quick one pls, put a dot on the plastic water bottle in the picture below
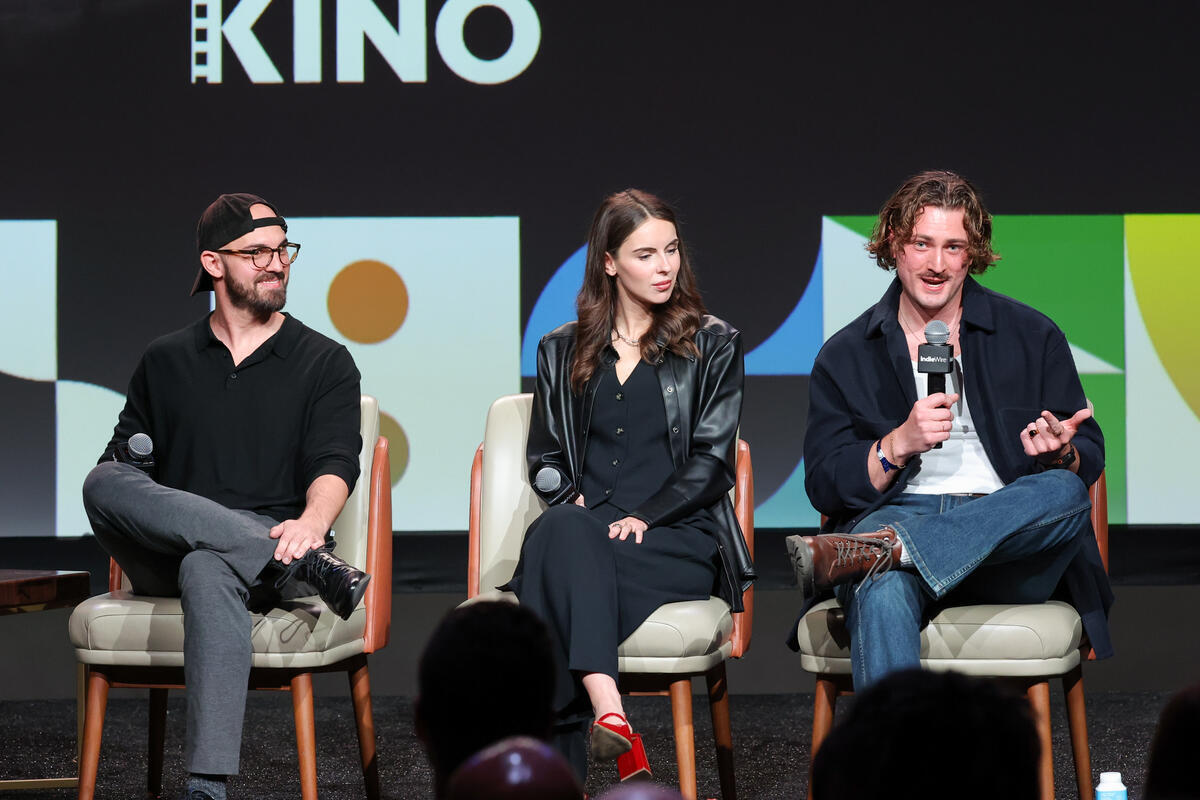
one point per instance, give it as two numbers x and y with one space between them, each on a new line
1110 787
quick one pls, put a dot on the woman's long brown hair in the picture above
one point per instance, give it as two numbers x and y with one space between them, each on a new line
675 322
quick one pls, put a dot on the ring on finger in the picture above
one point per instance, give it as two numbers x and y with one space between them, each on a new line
1033 432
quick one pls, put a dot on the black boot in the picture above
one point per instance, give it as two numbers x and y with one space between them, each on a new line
340 585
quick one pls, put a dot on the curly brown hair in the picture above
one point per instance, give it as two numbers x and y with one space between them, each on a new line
940 189
675 321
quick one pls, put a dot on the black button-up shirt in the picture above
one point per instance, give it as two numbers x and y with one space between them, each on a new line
249 436
628 455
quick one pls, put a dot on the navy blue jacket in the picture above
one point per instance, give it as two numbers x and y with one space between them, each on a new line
1016 363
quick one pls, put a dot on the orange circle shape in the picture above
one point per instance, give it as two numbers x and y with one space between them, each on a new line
368 301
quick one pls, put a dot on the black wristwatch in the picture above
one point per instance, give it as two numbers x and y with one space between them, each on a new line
1063 461
887 465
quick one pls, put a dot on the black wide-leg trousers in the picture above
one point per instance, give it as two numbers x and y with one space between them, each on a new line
593 592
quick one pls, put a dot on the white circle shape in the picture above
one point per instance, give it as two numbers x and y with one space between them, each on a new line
526 38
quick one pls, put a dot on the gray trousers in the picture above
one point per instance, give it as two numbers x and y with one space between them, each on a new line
173 543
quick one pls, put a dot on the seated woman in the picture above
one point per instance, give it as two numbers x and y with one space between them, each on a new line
632 444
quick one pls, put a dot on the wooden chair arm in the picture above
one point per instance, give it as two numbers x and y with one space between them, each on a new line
743 509
378 602
1098 492
473 523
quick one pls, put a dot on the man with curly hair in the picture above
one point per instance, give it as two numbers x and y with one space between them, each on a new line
971 493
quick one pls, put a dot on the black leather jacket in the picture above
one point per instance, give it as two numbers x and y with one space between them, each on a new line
703 399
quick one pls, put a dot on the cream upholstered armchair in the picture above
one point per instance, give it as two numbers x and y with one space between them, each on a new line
1022 644
678 641
129 640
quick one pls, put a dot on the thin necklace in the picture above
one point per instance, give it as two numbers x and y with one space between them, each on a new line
952 326
626 339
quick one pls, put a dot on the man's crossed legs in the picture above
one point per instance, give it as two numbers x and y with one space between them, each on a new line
1011 546
174 543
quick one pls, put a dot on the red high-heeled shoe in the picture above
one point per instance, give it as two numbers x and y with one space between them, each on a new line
634 765
613 738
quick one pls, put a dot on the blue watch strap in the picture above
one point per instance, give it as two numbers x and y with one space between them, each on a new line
887 465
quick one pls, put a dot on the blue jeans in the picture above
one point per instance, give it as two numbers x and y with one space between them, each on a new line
1011 546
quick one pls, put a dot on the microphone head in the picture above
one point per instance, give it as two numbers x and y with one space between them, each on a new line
548 479
937 332
140 446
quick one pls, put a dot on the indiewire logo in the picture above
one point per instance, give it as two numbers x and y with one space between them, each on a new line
357 21
935 359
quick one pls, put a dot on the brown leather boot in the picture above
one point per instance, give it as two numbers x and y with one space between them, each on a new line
829 559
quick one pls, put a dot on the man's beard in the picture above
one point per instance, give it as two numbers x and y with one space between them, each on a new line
246 296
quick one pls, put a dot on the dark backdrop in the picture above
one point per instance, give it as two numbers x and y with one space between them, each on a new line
754 118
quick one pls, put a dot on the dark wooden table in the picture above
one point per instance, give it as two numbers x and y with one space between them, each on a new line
23 591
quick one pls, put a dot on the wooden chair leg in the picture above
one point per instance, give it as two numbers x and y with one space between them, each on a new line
718 706
93 729
81 676
685 740
1077 725
155 741
1039 700
306 734
360 692
824 703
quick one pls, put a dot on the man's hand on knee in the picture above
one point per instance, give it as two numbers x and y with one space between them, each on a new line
296 538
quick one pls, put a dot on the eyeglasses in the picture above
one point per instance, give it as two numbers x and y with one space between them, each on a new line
261 257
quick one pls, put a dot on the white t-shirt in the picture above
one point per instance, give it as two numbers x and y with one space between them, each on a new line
960 465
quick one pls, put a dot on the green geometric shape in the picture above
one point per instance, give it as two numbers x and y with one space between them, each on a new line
862 225
1072 269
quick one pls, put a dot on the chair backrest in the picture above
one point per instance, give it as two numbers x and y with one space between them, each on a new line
503 504
364 528
506 503
350 528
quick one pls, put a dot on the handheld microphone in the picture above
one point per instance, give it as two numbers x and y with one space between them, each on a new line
138 451
935 358
548 479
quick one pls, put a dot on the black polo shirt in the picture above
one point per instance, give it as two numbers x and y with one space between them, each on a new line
252 436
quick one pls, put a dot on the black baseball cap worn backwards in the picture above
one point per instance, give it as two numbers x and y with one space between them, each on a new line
226 219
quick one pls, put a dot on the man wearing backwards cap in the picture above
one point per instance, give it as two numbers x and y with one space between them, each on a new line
255 423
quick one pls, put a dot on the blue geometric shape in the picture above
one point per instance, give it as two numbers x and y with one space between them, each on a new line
793 347
554 307
788 507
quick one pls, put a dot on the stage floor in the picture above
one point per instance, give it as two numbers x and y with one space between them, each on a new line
770 732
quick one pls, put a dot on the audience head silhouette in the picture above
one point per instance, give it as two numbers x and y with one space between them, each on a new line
487 673
914 731
1170 773
518 768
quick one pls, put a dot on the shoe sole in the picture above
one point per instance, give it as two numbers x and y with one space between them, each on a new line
800 554
607 745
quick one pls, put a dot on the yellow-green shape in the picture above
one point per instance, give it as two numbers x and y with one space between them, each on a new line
1166 281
